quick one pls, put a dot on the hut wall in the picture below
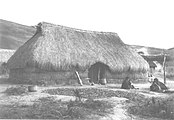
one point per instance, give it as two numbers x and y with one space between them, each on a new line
119 77
25 76
33 76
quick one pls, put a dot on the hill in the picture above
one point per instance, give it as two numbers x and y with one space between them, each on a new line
171 54
13 35
171 50
147 50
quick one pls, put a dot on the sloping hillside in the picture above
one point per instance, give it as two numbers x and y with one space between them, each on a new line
171 52
171 58
171 48
147 50
13 35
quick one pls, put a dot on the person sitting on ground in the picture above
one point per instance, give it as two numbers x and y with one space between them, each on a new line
162 85
158 86
127 84
155 87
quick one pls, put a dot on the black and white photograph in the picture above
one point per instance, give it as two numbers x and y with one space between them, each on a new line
87 59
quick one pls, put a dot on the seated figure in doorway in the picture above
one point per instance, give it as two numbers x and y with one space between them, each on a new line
127 84
155 87
103 81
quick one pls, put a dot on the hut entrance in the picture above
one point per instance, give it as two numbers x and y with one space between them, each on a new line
97 73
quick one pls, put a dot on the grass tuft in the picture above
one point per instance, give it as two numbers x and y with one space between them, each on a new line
18 90
154 107
50 108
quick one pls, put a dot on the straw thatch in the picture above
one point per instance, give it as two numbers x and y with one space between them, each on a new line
62 48
57 48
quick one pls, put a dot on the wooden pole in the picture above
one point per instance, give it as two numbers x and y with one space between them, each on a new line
79 79
164 69
98 76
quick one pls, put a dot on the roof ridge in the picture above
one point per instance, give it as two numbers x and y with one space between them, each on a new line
44 25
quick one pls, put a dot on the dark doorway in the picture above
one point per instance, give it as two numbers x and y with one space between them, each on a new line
97 72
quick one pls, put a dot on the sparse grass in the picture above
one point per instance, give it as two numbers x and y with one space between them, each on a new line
97 93
47 108
154 107
18 90
50 108
78 95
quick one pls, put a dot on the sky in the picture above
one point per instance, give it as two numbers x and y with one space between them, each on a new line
137 22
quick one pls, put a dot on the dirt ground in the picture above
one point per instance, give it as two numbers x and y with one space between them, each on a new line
120 112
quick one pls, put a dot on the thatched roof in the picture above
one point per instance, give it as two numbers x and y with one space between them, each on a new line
55 47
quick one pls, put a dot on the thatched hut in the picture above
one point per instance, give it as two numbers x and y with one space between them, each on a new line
55 52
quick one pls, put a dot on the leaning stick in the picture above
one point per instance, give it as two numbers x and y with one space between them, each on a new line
79 79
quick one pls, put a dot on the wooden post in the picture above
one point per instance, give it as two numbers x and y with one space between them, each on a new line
79 79
164 68
98 76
